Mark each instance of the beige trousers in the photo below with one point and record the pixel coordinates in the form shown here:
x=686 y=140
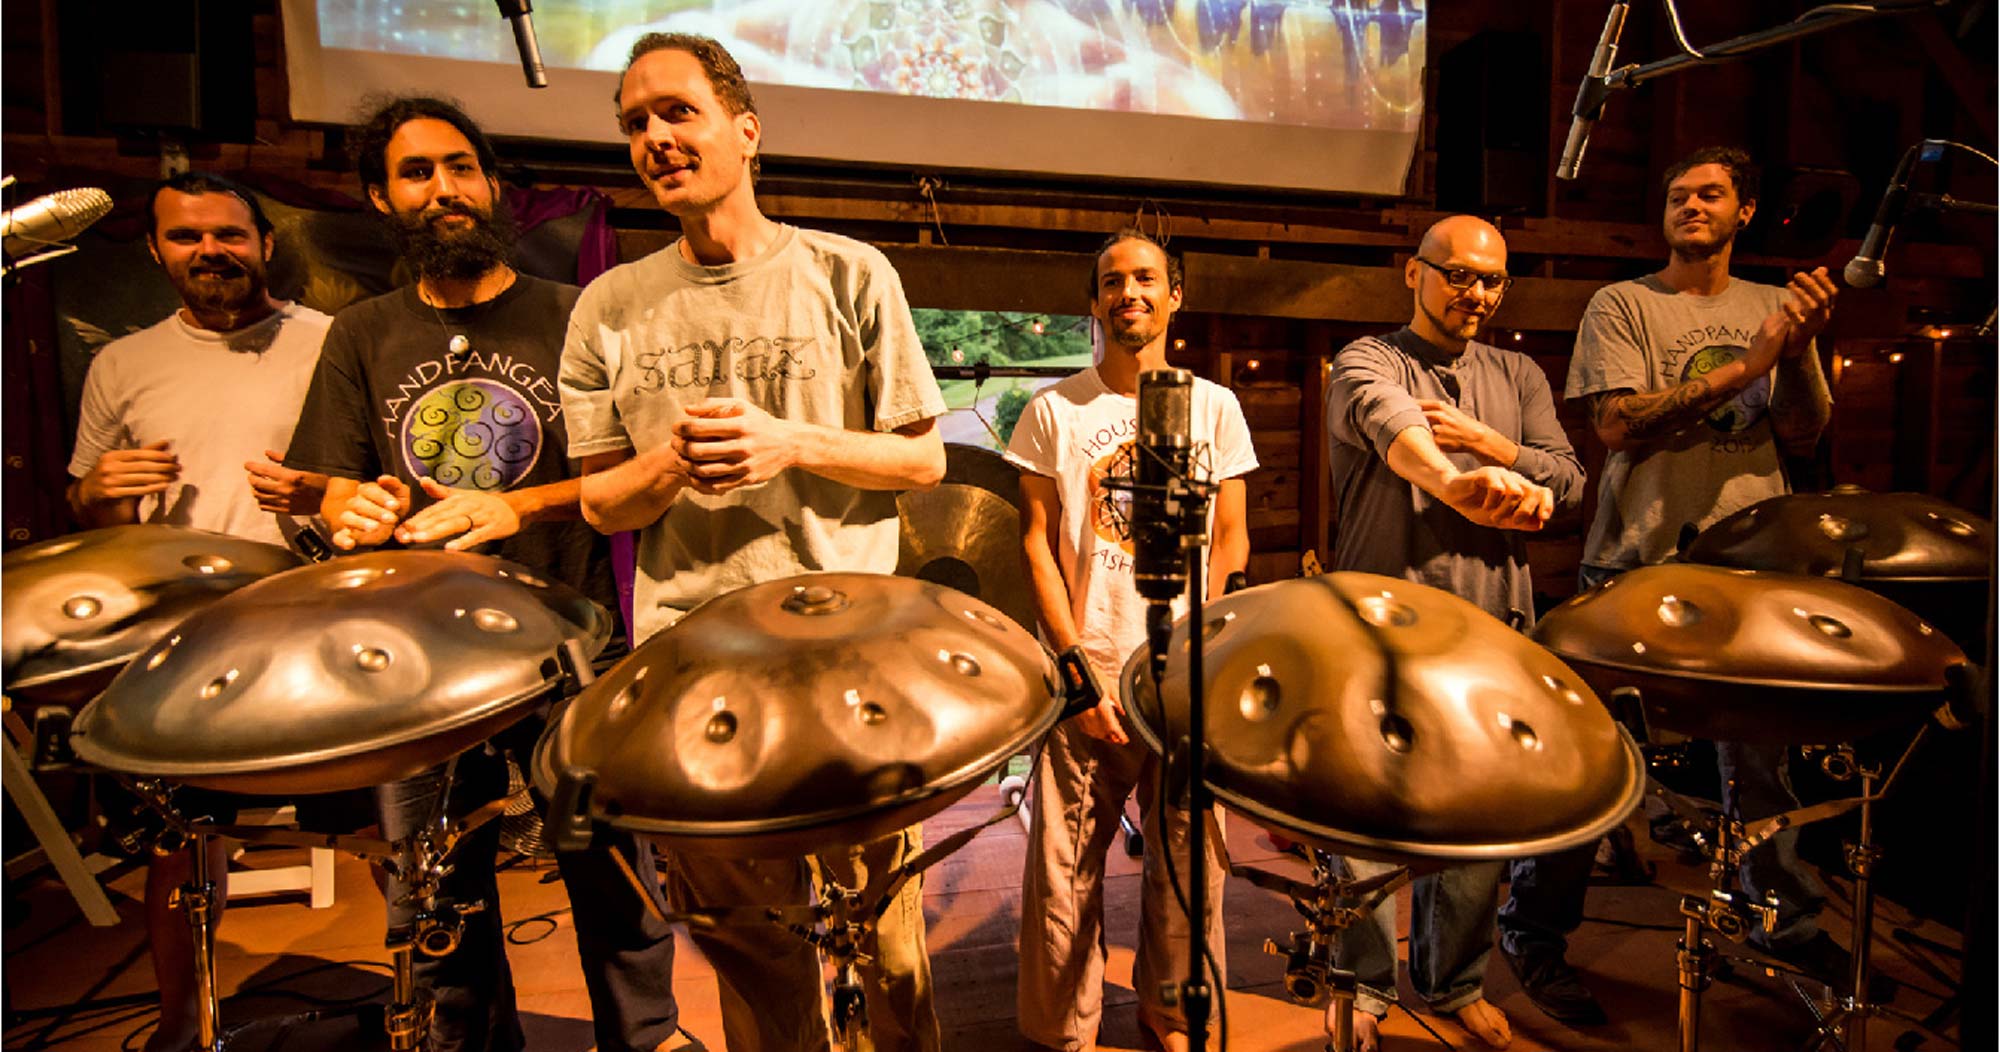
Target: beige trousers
x=1077 y=798
x=769 y=979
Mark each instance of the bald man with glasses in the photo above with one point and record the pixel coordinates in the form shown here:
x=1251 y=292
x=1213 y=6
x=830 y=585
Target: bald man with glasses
x=1445 y=454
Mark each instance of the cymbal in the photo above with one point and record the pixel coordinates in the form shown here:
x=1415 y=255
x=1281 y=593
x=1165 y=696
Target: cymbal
x=78 y=608
x=341 y=675
x=1739 y=655
x=1375 y=717
x=965 y=533
x=1919 y=551
x=802 y=714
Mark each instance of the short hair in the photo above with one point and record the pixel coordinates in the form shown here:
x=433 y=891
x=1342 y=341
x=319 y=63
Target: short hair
x=1133 y=233
x=725 y=77
x=1742 y=171
x=369 y=145
x=197 y=182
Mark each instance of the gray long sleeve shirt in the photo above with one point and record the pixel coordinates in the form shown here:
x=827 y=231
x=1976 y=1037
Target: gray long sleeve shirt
x=1387 y=526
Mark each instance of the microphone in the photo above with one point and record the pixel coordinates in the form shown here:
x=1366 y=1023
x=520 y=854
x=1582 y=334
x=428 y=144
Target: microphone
x=51 y=219
x=1865 y=270
x=1591 y=93
x=1161 y=453
x=520 y=13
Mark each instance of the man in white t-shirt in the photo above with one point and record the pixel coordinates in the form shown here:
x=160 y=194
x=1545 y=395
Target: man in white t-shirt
x=155 y=443
x=1079 y=556
x=150 y=444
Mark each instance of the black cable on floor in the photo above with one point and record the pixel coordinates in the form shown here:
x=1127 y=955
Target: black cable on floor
x=1441 y=1039
x=511 y=931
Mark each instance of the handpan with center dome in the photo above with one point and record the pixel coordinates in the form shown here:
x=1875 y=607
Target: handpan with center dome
x=1916 y=550
x=799 y=714
x=1739 y=655
x=342 y=674
x=1375 y=717
x=78 y=608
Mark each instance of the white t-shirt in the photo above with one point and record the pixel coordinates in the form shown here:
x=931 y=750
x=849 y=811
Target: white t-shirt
x=1078 y=431
x=219 y=399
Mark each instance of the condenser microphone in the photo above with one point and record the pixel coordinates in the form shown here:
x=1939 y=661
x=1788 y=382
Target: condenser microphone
x=1866 y=270
x=521 y=14
x=51 y=219
x=1162 y=451
x=1590 y=94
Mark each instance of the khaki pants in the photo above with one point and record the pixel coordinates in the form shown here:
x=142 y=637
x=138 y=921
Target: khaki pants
x=1077 y=798
x=770 y=979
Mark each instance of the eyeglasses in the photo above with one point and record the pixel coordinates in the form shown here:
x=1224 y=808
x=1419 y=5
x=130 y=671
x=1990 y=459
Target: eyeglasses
x=1461 y=278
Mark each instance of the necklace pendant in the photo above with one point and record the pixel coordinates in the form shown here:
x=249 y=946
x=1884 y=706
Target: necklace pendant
x=459 y=344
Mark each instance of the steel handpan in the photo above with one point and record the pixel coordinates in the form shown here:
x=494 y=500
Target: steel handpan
x=1738 y=655
x=802 y=714
x=341 y=675
x=78 y=608
x=1919 y=551
x=965 y=532
x=1379 y=718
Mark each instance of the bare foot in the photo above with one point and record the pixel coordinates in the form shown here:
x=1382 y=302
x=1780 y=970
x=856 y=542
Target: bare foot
x=1165 y=1038
x=1367 y=1029
x=1487 y=1023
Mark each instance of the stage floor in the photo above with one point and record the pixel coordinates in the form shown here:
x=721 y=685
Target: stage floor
x=73 y=987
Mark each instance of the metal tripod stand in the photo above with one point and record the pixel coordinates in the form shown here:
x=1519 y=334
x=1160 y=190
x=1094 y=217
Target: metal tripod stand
x=1330 y=902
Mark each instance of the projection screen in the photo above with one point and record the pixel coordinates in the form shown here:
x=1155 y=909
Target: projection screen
x=1317 y=95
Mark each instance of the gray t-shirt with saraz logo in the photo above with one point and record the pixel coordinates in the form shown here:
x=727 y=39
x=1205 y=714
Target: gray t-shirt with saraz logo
x=1643 y=336
x=814 y=329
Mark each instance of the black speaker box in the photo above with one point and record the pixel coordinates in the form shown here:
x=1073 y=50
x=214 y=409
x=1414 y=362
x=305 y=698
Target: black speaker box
x=183 y=67
x=1492 y=125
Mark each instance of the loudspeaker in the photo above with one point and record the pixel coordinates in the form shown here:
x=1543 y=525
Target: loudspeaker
x=1492 y=125
x=187 y=67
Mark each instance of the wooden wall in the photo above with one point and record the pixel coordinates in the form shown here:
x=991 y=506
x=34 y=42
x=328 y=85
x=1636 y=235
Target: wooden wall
x=1277 y=283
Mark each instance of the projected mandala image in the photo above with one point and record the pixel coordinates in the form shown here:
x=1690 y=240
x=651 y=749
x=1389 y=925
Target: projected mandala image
x=1320 y=63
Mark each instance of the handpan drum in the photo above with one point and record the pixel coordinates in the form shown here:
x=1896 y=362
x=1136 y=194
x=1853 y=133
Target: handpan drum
x=1374 y=717
x=965 y=532
x=341 y=675
x=78 y=608
x=1918 y=551
x=1737 y=655
x=798 y=715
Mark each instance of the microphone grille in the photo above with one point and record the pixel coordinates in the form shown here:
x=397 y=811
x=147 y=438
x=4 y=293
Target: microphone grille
x=1862 y=273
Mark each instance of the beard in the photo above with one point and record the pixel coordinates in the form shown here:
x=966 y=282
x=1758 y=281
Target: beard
x=220 y=285
x=1134 y=334
x=461 y=255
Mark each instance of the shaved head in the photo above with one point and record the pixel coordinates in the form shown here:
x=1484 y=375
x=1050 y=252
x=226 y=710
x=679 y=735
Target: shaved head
x=1464 y=249
x=1467 y=234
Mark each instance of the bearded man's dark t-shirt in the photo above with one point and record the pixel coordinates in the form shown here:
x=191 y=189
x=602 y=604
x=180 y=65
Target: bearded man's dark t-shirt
x=396 y=394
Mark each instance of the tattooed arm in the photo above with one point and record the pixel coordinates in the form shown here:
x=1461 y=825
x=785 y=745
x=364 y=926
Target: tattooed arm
x=1801 y=405
x=1625 y=419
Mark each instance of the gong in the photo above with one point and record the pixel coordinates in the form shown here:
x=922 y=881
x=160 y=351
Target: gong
x=965 y=533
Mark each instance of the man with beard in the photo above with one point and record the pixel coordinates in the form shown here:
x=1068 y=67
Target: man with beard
x=756 y=394
x=436 y=417
x=151 y=448
x=1695 y=381
x=1445 y=452
x=1079 y=559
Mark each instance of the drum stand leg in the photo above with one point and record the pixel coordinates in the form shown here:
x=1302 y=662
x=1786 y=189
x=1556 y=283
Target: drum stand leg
x=1694 y=957
x=197 y=898
x=1722 y=911
x=1329 y=903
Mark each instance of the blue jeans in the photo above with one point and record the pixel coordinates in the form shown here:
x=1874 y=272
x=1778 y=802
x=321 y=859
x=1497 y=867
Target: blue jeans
x=1545 y=903
x=1451 y=933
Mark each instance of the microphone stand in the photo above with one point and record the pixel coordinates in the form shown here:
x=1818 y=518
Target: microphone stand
x=1186 y=509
